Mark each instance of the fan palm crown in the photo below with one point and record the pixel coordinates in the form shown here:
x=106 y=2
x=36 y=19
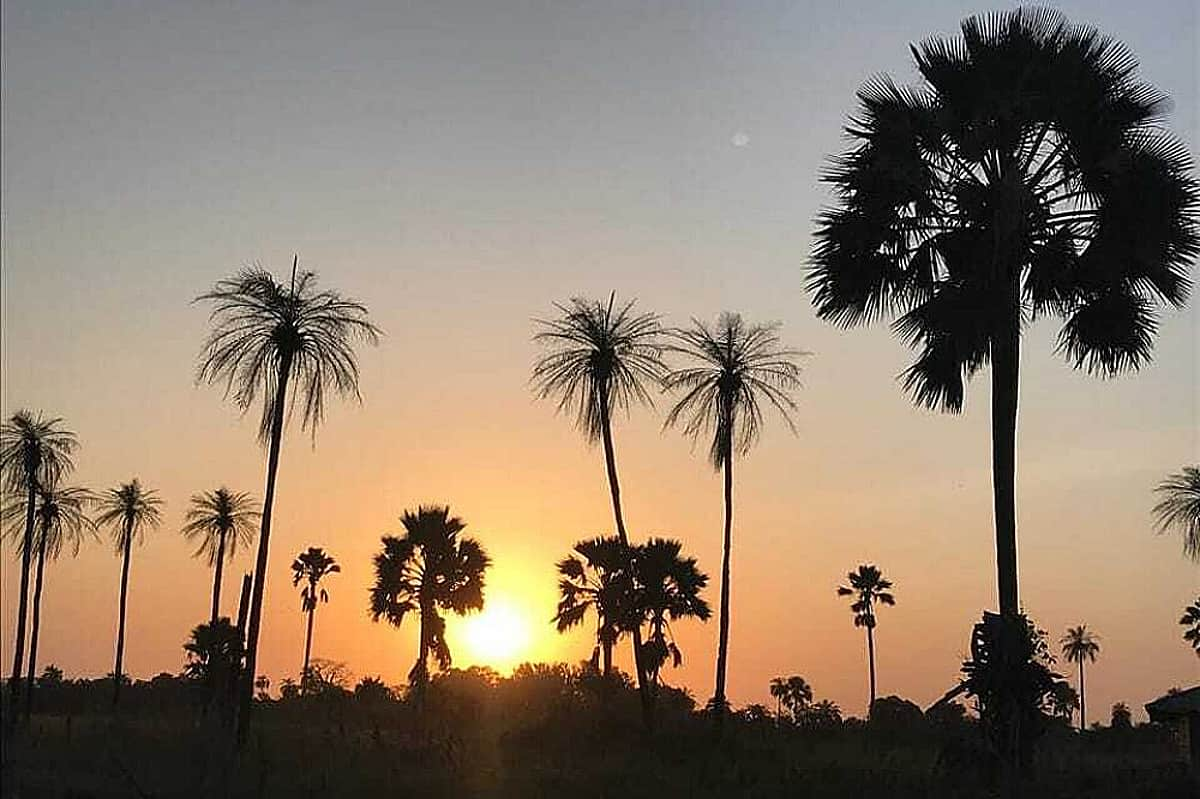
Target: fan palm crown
x=1179 y=508
x=596 y=579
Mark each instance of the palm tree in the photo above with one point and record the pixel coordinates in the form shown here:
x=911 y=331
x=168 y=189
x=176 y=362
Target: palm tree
x=597 y=580
x=310 y=567
x=1191 y=623
x=34 y=451
x=428 y=569
x=1080 y=644
x=794 y=693
x=268 y=339
x=221 y=520
x=779 y=692
x=1179 y=508
x=667 y=587
x=601 y=357
x=868 y=586
x=1011 y=185
x=129 y=509
x=737 y=369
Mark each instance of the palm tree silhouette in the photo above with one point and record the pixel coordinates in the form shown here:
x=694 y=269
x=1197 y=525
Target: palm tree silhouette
x=794 y=693
x=270 y=338
x=34 y=451
x=1191 y=622
x=428 y=569
x=598 y=580
x=1080 y=644
x=129 y=509
x=867 y=586
x=310 y=567
x=667 y=588
x=738 y=368
x=601 y=358
x=779 y=691
x=222 y=520
x=1179 y=508
x=1011 y=185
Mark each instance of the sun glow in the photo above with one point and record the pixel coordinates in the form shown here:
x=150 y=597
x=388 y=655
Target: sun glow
x=499 y=636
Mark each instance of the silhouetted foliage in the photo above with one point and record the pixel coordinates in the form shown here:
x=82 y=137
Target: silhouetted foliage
x=214 y=660
x=667 y=588
x=310 y=567
x=221 y=520
x=1121 y=718
x=1080 y=644
x=598 y=580
x=1179 y=508
x=868 y=586
x=1191 y=625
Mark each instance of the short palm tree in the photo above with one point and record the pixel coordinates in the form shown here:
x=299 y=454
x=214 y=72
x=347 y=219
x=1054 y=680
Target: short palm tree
x=285 y=343
x=128 y=510
x=35 y=451
x=793 y=693
x=601 y=356
x=1012 y=184
x=597 y=579
x=1191 y=624
x=431 y=568
x=310 y=567
x=736 y=370
x=1080 y=644
x=868 y=587
x=221 y=520
x=1179 y=508
x=667 y=588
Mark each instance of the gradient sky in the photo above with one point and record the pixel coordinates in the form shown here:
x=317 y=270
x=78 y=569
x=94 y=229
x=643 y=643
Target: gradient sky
x=460 y=167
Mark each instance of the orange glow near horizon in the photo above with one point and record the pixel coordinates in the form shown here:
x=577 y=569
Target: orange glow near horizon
x=499 y=637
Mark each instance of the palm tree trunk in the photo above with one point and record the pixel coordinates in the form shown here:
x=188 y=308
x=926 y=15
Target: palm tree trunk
x=121 y=611
x=36 y=626
x=606 y=658
x=614 y=487
x=1082 y=701
x=871 y=667
x=216 y=600
x=14 y=683
x=264 y=538
x=723 y=642
x=307 y=649
x=1005 y=380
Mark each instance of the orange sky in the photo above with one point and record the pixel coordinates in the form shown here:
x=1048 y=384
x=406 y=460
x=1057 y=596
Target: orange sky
x=460 y=202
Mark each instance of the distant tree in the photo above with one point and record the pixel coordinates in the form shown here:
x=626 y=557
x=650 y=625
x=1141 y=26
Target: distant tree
x=896 y=713
x=35 y=451
x=221 y=520
x=52 y=677
x=1122 y=719
x=373 y=691
x=310 y=567
x=1078 y=645
x=1064 y=700
x=1191 y=623
x=601 y=357
x=1179 y=508
x=214 y=653
x=755 y=714
x=667 y=588
x=868 y=587
x=128 y=510
x=821 y=715
x=734 y=371
x=327 y=679
x=285 y=343
x=428 y=569
x=793 y=694
x=596 y=578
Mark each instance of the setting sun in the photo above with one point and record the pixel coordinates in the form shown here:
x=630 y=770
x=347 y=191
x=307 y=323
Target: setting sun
x=499 y=636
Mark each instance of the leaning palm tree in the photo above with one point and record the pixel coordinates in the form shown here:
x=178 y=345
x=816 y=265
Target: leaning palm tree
x=35 y=451
x=736 y=371
x=868 y=586
x=667 y=588
x=1080 y=644
x=221 y=520
x=1026 y=177
x=1179 y=508
x=596 y=578
x=431 y=568
x=285 y=343
x=129 y=510
x=601 y=358
x=310 y=567
x=1191 y=625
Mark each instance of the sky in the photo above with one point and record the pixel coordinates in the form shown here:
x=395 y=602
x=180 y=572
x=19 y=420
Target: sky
x=459 y=168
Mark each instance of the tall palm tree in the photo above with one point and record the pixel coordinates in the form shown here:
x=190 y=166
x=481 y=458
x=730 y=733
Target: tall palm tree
x=601 y=357
x=310 y=567
x=129 y=510
x=34 y=451
x=1080 y=644
x=430 y=568
x=287 y=343
x=868 y=587
x=597 y=579
x=1010 y=185
x=736 y=370
x=1179 y=508
x=221 y=520
x=667 y=587
x=1191 y=624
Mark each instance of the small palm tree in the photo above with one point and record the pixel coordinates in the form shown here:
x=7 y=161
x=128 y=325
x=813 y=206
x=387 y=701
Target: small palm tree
x=793 y=693
x=129 y=509
x=310 y=567
x=736 y=370
x=598 y=580
x=1191 y=623
x=601 y=357
x=667 y=588
x=35 y=451
x=285 y=343
x=868 y=587
x=1080 y=644
x=1179 y=508
x=779 y=692
x=428 y=569
x=221 y=520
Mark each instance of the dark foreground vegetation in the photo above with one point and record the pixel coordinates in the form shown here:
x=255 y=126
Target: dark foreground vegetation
x=547 y=731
